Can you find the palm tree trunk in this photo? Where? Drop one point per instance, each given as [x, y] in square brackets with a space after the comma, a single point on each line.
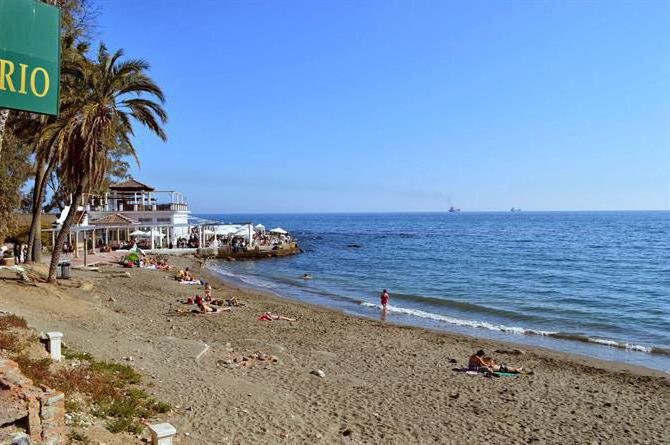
[62, 235]
[4, 114]
[39, 189]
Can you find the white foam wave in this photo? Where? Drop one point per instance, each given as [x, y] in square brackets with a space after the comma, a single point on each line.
[503, 328]
[458, 321]
[616, 344]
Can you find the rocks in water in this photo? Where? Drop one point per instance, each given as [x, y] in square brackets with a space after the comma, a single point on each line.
[354, 246]
[318, 372]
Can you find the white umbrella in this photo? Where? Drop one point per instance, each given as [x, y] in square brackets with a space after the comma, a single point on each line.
[279, 230]
[225, 230]
[139, 233]
[208, 232]
[242, 231]
[155, 232]
[260, 227]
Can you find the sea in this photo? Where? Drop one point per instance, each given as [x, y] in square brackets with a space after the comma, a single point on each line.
[592, 283]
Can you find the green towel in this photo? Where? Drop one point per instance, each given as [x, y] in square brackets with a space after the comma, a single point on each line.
[506, 374]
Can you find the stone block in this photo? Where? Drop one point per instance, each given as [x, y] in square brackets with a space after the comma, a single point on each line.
[54, 345]
[162, 433]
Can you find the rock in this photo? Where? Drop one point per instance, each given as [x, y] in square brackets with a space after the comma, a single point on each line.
[129, 358]
[453, 360]
[20, 439]
[112, 299]
[454, 395]
[347, 432]
[318, 372]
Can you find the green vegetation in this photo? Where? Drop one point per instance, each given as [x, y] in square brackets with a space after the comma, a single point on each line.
[12, 321]
[8, 340]
[77, 437]
[111, 388]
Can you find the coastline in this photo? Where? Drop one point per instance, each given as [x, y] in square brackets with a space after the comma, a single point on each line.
[581, 359]
[610, 364]
[383, 383]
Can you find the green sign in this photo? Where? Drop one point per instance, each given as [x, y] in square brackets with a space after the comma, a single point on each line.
[29, 56]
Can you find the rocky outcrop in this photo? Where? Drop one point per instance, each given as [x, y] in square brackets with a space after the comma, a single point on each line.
[40, 411]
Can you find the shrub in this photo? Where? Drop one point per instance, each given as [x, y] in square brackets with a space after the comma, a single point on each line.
[12, 321]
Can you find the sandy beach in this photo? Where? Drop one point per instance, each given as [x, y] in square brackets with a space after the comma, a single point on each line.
[382, 383]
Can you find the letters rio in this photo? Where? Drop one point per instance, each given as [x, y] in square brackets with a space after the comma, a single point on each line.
[19, 80]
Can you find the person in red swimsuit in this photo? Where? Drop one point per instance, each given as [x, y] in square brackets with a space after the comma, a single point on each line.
[385, 299]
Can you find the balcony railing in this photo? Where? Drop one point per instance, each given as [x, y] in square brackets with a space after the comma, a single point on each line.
[132, 207]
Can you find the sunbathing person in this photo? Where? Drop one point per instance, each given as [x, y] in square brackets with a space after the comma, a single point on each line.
[206, 308]
[269, 316]
[233, 301]
[479, 362]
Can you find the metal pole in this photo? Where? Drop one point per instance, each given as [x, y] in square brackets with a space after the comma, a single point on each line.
[85, 248]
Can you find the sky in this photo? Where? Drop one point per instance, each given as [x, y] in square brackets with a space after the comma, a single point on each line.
[372, 106]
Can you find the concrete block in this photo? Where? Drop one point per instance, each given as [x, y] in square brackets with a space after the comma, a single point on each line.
[54, 345]
[162, 433]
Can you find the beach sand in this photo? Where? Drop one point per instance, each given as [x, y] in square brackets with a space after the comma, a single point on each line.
[383, 383]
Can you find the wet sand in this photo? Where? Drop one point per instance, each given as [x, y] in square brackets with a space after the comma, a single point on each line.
[383, 383]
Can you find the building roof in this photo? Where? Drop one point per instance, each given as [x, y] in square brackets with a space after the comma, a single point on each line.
[131, 185]
[114, 219]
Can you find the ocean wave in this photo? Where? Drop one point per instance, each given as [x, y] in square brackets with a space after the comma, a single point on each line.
[466, 306]
[458, 321]
[519, 330]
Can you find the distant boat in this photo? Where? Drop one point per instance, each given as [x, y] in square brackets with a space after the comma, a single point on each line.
[513, 209]
[453, 209]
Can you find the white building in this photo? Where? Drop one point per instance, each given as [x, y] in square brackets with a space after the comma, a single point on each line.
[136, 204]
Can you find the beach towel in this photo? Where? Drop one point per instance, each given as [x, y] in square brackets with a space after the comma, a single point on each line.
[506, 374]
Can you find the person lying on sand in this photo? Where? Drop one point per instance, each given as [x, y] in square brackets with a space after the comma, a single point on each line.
[479, 362]
[269, 316]
[206, 308]
[233, 301]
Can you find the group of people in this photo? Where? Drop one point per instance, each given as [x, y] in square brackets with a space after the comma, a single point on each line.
[184, 277]
[271, 240]
[20, 253]
[207, 304]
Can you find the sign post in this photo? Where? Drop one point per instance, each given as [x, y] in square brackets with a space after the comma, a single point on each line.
[29, 56]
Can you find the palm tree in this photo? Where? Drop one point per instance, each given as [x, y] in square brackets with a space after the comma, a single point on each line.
[4, 116]
[114, 95]
[35, 130]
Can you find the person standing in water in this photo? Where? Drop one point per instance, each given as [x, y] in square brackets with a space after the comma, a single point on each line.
[384, 300]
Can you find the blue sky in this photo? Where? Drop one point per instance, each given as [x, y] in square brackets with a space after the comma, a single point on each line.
[334, 106]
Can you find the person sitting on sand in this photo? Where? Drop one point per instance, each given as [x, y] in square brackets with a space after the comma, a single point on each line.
[208, 292]
[269, 316]
[479, 362]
